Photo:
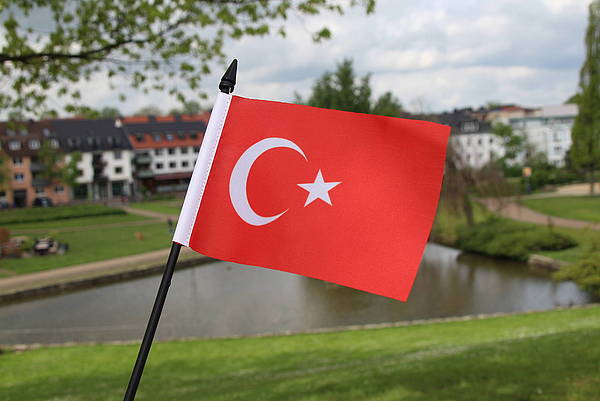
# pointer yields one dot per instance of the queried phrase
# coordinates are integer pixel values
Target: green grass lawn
(38, 214)
(549, 356)
(77, 222)
(172, 207)
(94, 245)
(584, 208)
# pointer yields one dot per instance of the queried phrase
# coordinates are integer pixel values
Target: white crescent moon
(239, 179)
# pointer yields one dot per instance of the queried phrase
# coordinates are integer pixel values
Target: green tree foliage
(149, 111)
(150, 44)
(343, 90)
(191, 107)
(586, 271)
(4, 170)
(105, 112)
(513, 143)
(56, 167)
(585, 150)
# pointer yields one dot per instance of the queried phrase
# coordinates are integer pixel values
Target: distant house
(21, 143)
(165, 149)
(548, 130)
(106, 156)
(472, 136)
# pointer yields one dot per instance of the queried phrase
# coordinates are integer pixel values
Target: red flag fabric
(344, 197)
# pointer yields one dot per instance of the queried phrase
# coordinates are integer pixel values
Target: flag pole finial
(228, 80)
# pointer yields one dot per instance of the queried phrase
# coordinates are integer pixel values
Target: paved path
(86, 270)
(148, 213)
(515, 211)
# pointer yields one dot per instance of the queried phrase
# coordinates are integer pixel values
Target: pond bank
(91, 274)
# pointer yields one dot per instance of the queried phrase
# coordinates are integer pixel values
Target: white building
(548, 130)
(106, 156)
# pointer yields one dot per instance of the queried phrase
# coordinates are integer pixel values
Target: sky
(433, 55)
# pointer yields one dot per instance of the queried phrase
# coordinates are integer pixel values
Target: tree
(585, 148)
(191, 107)
(105, 112)
(56, 168)
(149, 111)
(342, 90)
(150, 44)
(513, 143)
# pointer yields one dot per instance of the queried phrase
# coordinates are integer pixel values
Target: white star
(318, 189)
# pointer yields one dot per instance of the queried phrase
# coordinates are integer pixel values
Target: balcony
(36, 167)
(40, 182)
(146, 173)
(142, 159)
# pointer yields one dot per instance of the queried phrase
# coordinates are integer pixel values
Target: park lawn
(172, 207)
(584, 208)
(77, 222)
(64, 212)
(540, 356)
(94, 245)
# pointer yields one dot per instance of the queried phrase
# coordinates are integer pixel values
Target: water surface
(225, 299)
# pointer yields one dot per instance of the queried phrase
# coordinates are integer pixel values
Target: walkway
(516, 211)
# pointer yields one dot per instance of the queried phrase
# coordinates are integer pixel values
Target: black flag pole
(226, 85)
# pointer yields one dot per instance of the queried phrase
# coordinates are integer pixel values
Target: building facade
(548, 130)
(165, 150)
(105, 168)
(21, 143)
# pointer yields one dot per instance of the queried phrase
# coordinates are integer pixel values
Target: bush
(18, 216)
(586, 273)
(506, 239)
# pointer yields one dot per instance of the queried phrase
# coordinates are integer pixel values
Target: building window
(158, 166)
(156, 137)
(10, 132)
(90, 141)
(118, 155)
(169, 137)
(196, 149)
(139, 137)
(171, 151)
(46, 132)
(183, 150)
(181, 135)
(172, 164)
(158, 152)
(470, 126)
(19, 177)
(34, 144)
(118, 170)
(54, 143)
(39, 190)
(557, 149)
(194, 135)
(14, 145)
(79, 173)
(59, 189)
(185, 163)
(479, 141)
(24, 132)
(491, 141)
(17, 161)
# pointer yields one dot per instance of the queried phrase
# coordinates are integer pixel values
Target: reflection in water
(224, 299)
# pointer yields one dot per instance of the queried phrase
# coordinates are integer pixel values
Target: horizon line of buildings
(138, 155)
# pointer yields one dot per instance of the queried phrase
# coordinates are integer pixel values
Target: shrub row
(507, 239)
(17, 216)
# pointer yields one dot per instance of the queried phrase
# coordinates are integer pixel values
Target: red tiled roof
(150, 143)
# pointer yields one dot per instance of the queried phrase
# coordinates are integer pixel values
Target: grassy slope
(77, 222)
(93, 245)
(543, 356)
(172, 207)
(572, 207)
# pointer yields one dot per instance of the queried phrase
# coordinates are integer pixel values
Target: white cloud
(453, 54)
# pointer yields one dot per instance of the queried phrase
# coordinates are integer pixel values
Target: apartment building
(473, 137)
(548, 129)
(21, 143)
(105, 168)
(165, 150)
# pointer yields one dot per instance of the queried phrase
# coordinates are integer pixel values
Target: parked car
(42, 201)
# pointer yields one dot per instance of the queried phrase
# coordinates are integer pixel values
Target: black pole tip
(228, 80)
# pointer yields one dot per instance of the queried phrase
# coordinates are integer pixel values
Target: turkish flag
(343, 197)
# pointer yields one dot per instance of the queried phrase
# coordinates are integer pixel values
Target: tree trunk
(468, 210)
(592, 180)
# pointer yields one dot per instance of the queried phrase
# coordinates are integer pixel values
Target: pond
(225, 299)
